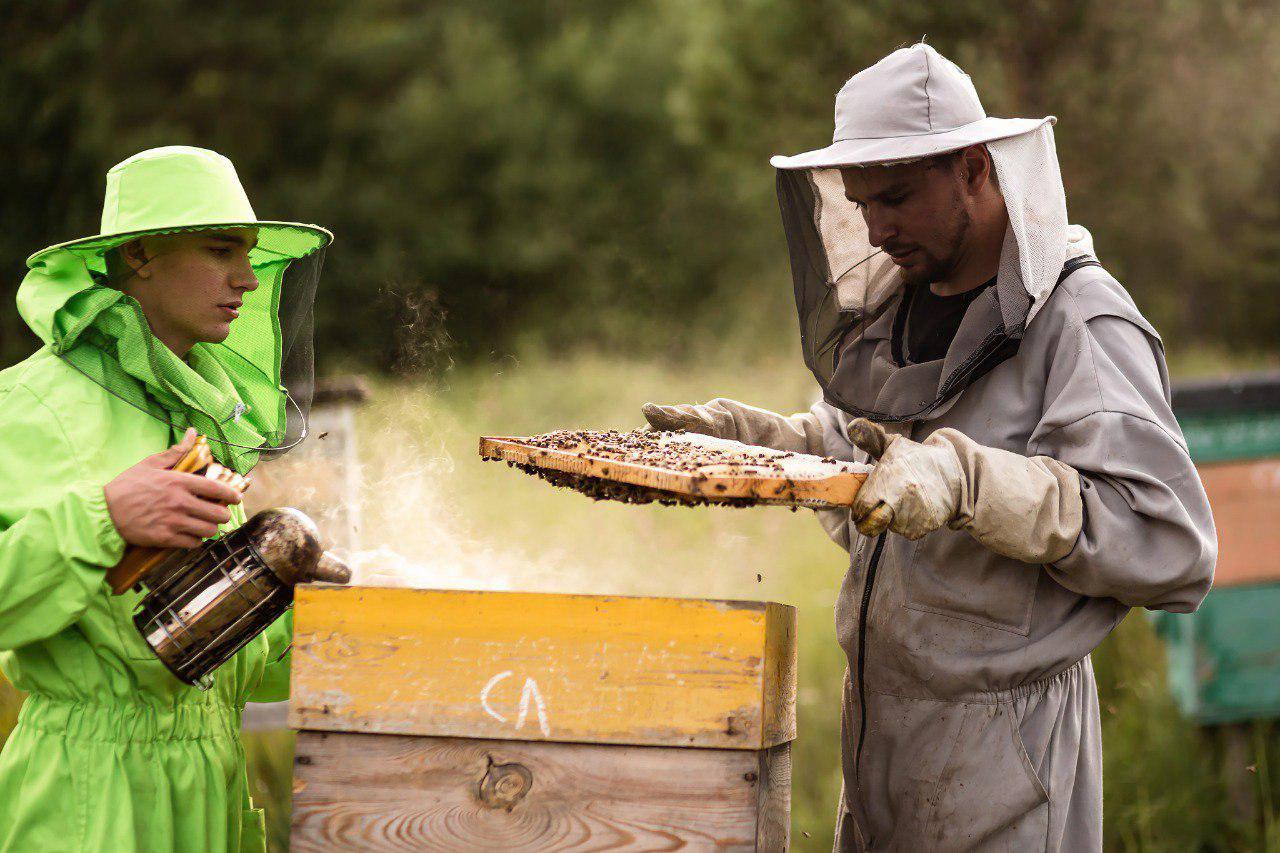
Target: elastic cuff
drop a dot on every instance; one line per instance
(109, 540)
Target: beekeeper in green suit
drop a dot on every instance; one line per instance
(186, 313)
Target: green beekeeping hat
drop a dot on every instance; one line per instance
(234, 391)
(181, 188)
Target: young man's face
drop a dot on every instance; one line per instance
(916, 212)
(191, 286)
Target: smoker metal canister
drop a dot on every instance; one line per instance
(204, 605)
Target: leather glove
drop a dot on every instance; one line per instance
(724, 418)
(818, 431)
(1027, 508)
(684, 416)
(915, 488)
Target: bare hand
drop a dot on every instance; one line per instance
(154, 506)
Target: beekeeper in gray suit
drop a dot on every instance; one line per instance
(1032, 484)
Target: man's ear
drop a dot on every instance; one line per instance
(134, 254)
(975, 168)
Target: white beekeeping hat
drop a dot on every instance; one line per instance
(914, 103)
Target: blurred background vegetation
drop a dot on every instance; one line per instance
(550, 212)
(576, 172)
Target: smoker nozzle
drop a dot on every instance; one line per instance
(331, 570)
(289, 543)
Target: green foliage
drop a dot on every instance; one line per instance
(574, 172)
(1161, 783)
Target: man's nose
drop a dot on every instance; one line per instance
(245, 279)
(880, 228)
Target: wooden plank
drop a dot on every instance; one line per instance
(594, 669)
(391, 792)
(780, 673)
(773, 799)
(1245, 497)
(806, 480)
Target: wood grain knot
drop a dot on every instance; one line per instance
(504, 785)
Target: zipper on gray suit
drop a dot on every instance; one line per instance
(872, 564)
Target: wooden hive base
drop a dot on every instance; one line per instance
(398, 792)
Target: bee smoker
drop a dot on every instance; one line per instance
(203, 605)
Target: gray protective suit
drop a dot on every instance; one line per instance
(970, 713)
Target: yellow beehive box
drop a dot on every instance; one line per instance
(544, 667)
(448, 720)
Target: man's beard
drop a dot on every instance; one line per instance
(933, 266)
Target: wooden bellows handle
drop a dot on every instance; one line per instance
(138, 560)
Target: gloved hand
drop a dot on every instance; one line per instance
(684, 416)
(915, 488)
(1027, 508)
(819, 431)
(724, 418)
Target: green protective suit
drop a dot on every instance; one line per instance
(111, 752)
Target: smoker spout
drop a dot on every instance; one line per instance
(331, 570)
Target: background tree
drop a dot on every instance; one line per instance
(569, 172)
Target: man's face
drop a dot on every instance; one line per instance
(191, 286)
(916, 212)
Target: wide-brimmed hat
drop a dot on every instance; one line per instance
(180, 188)
(914, 103)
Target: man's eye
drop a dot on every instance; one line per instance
(895, 200)
(220, 251)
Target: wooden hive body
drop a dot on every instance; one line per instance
(519, 721)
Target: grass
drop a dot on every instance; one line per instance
(434, 513)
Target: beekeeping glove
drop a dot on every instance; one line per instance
(723, 418)
(1027, 508)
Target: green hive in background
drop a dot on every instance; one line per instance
(1224, 659)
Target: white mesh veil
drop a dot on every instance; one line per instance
(1040, 240)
